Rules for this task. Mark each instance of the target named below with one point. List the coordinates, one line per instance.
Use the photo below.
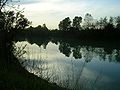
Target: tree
(76, 22)
(102, 23)
(111, 20)
(45, 27)
(65, 24)
(88, 21)
(3, 3)
(110, 24)
(10, 21)
(118, 22)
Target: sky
(51, 12)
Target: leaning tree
(11, 20)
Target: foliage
(118, 22)
(88, 21)
(65, 24)
(12, 75)
(76, 22)
(13, 20)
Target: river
(73, 65)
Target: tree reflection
(76, 52)
(118, 56)
(79, 51)
(70, 74)
(88, 52)
(65, 49)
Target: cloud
(27, 1)
(53, 11)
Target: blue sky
(51, 12)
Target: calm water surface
(73, 66)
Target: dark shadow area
(14, 76)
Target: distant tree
(44, 27)
(111, 20)
(105, 21)
(118, 22)
(102, 23)
(76, 22)
(65, 24)
(39, 27)
(110, 24)
(97, 25)
(88, 21)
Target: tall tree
(110, 24)
(103, 22)
(76, 22)
(88, 21)
(65, 24)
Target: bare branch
(2, 3)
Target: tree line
(88, 23)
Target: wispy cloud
(27, 1)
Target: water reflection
(89, 52)
(73, 65)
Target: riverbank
(14, 77)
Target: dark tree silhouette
(10, 22)
(110, 24)
(103, 22)
(65, 24)
(118, 22)
(13, 20)
(76, 23)
(3, 3)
